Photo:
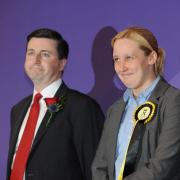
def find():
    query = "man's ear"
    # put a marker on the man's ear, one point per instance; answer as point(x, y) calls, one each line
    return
point(62, 64)
point(152, 58)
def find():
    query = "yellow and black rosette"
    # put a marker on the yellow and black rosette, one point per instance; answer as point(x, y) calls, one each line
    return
point(145, 112)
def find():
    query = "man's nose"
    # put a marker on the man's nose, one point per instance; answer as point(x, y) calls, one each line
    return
point(38, 58)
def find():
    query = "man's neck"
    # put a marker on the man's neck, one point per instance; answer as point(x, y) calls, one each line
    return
point(39, 86)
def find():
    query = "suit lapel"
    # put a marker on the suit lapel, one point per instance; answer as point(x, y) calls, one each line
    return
point(114, 129)
point(62, 91)
point(17, 121)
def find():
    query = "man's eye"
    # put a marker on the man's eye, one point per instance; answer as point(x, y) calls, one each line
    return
point(45, 54)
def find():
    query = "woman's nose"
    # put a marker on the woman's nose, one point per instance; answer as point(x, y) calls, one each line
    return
point(122, 65)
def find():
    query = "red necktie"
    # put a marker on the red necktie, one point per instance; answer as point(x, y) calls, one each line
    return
point(23, 151)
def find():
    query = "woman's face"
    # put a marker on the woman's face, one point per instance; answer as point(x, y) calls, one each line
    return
point(133, 67)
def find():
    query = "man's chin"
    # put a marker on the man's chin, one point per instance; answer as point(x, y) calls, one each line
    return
point(36, 80)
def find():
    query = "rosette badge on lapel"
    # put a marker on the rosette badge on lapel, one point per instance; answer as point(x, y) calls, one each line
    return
point(54, 105)
point(145, 112)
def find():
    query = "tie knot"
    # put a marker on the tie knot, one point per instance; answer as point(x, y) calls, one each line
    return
point(37, 97)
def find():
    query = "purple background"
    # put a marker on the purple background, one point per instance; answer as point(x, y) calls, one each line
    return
point(88, 26)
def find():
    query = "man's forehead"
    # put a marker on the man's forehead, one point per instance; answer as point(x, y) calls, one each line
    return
point(42, 44)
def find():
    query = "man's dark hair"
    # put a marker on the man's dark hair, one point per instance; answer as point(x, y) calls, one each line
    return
point(62, 45)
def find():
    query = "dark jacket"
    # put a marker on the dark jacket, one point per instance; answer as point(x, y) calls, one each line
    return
point(63, 149)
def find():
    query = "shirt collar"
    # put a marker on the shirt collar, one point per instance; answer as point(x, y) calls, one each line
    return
point(128, 93)
point(50, 90)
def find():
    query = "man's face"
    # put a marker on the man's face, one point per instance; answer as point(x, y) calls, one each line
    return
point(42, 64)
point(132, 66)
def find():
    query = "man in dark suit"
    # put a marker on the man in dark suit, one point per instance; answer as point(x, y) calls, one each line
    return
point(61, 143)
point(141, 138)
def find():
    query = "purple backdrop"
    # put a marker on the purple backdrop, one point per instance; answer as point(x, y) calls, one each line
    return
point(88, 26)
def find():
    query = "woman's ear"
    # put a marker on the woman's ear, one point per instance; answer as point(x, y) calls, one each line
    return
point(152, 58)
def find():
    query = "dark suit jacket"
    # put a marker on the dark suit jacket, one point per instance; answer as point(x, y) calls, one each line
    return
point(157, 156)
point(63, 149)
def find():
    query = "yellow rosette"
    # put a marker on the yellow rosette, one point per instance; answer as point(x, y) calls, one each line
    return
point(145, 112)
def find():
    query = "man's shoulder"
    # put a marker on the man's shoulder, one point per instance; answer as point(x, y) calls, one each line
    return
point(78, 102)
point(24, 100)
point(79, 97)
point(73, 94)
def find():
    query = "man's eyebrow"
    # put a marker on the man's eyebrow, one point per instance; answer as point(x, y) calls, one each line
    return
point(46, 51)
point(30, 50)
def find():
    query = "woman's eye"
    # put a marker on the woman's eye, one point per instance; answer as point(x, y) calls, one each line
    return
point(116, 59)
point(129, 57)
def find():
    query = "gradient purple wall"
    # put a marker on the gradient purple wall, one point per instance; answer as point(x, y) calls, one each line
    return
point(88, 26)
